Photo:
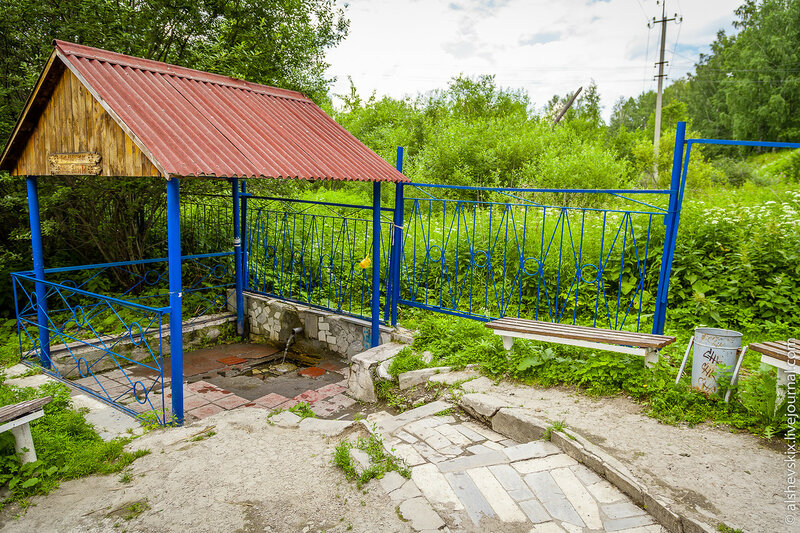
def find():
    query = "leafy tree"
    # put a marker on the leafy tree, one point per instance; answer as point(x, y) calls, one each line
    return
point(633, 113)
point(475, 133)
point(281, 42)
point(748, 87)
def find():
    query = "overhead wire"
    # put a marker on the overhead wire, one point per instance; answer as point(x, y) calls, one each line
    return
point(675, 47)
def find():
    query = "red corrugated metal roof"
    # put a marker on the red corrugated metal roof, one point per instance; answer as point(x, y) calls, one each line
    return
point(194, 123)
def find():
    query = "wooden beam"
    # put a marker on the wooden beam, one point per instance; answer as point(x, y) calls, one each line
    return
point(121, 123)
point(38, 99)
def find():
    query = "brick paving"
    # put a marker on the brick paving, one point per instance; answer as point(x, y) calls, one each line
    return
point(476, 478)
point(203, 399)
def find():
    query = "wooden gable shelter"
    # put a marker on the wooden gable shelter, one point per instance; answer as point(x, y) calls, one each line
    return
point(99, 113)
point(94, 112)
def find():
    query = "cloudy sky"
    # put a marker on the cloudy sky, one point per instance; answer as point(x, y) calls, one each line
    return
point(404, 47)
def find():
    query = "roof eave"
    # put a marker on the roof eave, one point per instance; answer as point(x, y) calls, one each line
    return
point(8, 159)
point(113, 114)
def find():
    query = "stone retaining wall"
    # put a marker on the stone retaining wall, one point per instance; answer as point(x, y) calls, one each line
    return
point(272, 320)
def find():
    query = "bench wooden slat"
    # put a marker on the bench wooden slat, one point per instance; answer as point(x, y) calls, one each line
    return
point(17, 410)
point(596, 333)
point(777, 350)
point(596, 330)
point(584, 333)
point(560, 329)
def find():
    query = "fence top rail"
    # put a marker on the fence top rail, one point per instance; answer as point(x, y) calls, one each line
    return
point(147, 308)
point(764, 144)
point(313, 202)
point(660, 212)
point(522, 189)
point(120, 263)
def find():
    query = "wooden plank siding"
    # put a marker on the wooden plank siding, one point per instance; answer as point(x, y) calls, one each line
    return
point(73, 121)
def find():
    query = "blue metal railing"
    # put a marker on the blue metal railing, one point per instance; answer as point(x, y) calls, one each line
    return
point(488, 259)
point(113, 346)
point(205, 280)
point(109, 348)
point(320, 259)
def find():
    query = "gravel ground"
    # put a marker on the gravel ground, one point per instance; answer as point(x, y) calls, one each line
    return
point(250, 476)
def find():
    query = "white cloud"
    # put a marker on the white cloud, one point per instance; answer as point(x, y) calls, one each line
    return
point(401, 48)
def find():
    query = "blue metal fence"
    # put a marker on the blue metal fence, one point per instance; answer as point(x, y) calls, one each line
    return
point(114, 347)
point(478, 252)
point(305, 252)
point(484, 259)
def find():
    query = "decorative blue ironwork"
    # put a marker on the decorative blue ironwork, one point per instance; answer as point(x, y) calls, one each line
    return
point(484, 259)
point(206, 277)
point(112, 347)
point(105, 346)
point(320, 260)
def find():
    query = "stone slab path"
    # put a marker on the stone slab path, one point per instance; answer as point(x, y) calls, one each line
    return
point(466, 477)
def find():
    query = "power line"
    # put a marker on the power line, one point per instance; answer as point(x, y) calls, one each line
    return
point(646, 55)
point(646, 18)
point(659, 94)
point(677, 38)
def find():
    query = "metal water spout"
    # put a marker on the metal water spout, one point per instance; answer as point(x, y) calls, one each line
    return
point(295, 331)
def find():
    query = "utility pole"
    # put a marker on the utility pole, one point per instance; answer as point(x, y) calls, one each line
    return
point(567, 106)
point(660, 77)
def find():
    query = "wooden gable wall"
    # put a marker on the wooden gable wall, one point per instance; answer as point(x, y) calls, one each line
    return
point(74, 122)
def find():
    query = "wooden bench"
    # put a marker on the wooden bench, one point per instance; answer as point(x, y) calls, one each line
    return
point(17, 418)
point(644, 344)
point(783, 355)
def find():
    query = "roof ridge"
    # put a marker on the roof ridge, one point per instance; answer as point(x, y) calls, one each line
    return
point(105, 56)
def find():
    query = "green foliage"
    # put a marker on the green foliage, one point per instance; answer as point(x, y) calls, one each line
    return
point(460, 341)
point(380, 461)
point(280, 43)
point(475, 133)
point(9, 346)
point(737, 262)
point(303, 410)
point(556, 425)
point(129, 512)
point(747, 86)
point(387, 391)
point(67, 446)
point(405, 361)
point(785, 168)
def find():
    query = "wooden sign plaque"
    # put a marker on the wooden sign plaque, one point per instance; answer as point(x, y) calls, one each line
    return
point(75, 164)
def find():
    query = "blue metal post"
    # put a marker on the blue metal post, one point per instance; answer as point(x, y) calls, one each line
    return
point(175, 296)
point(671, 233)
point(38, 271)
point(390, 306)
point(376, 263)
point(237, 258)
point(397, 256)
point(245, 278)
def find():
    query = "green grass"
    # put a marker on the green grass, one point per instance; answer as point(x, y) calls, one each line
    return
point(381, 462)
point(303, 410)
point(67, 446)
point(457, 342)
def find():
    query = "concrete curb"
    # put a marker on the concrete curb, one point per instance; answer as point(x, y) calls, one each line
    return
point(521, 425)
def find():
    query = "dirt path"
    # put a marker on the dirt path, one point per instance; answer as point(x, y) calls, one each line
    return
point(250, 476)
point(707, 470)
